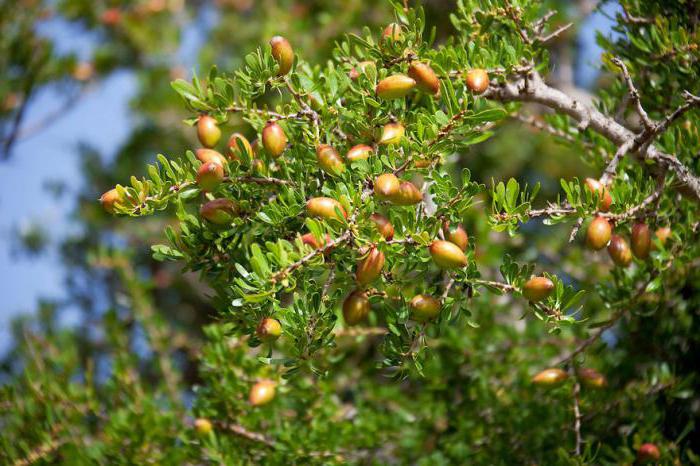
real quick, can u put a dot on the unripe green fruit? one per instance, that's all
(356, 307)
(663, 234)
(210, 155)
(424, 308)
(447, 255)
(395, 86)
(310, 240)
(262, 392)
(110, 199)
(550, 377)
(392, 32)
(269, 329)
(426, 79)
(478, 81)
(219, 211)
(208, 131)
(456, 235)
(210, 176)
(324, 207)
(538, 288)
(329, 160)
(370, 267)
(641, 240)
(392, 133)
(386, 186)
(258, 167)
(648, 453)
(235, 142)
(604, 198)
(591, 378)
(407, 194)
(598, 233)
(619, 251)
(283, 54)
(273, 138)
(203, 426)
(386, 229)
(359, 152)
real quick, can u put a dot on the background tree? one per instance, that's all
(335, 400)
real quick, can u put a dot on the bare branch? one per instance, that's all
(634, 94)
(577, 418)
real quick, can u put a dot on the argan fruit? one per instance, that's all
(386, 186)
(269, 329)
(203, 426)
(111, 16)
(456, 235)
(619, 251)
(283, 54)
(425, 78)
(384, 226)
(663, 234)
(648, 453)
(110, 199)
(641, 240)
(262, 392)
(407, 194)
(84, 71)
(273, 138)
(424, 308)
(477, 81)
(370, 267)
(210, 155)
(359, 152)
(356, 307)
(591, 378)
(550, 377)
(395, 86)
(359, 68)
(598, 233)
(235, 142)
(537, 289)
(219, 211)
(604, 198)
(447, 255)
(329, 160)
(392, 133)
(392, 32)
(210, 176)
(310, 240)
(325, 207)
(208, 131)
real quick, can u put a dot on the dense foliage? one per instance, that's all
(377, 302)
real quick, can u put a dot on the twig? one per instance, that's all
(40, 452)
(634, 94)
(247, 434)
(577, 418)
(327, 247)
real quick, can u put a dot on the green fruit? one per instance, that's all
(356, 308)
(237, 144)
(210, 176)
(258, 167)
(219, 211)
(269, 329)
(386, 186)
(424, 308)
(641, 240)
(392, 133)
(274, 140)
(208, 131)
(591, 378)
(329, 160)
(386, 229)
(478, 81)
(425, 78)
(210, 155)
(361, 67)
(598, 233)
(283, 54)
(619, 251)
(359, 152)
(110, 200)
(604, 198)
(395, 87)
(325, 207)
(456, 235)
(262, 392)
(550, 377)
(538, 288)
(370, 266)
(447, 255)
(407, 194)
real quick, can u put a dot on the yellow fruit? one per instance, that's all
(598, 233)
(329, 160)
(274, 140)
(325, 207)
(203, 426)
(235, 143)
(370, 267)
(550, 377)
(619, 251)
(477, 81)
(392, 133)
(456, 235)
(210, 155)
(426, 79)
(392, 32)
(591, 378)
(110, 199)
(407, 194)
(386, 186)
(395, 87)
(641, 240)
(359, 152)
(386, 229)
(447, 255)
(356, 307)
(604, 198)
(208, 131)
(283, 54)
(269, 329)
(424, 308)
(663, 234)
(219, 211)
(209, 176)
(538, 288)
(262, 392)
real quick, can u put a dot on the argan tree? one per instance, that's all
(378, 306)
